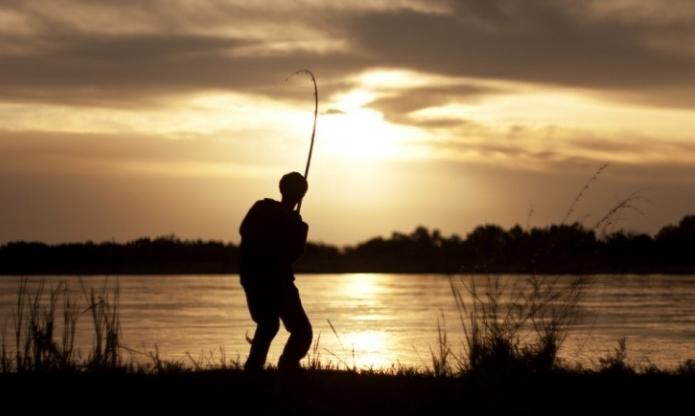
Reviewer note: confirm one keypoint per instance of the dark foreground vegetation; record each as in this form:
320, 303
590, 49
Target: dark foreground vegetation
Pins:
326, 392
568, 249
497, 371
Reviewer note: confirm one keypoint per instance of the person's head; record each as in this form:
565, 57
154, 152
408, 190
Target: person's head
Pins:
293, 186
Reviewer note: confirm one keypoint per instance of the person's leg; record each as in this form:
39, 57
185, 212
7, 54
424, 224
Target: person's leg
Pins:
297, 324
265, 332
265, 312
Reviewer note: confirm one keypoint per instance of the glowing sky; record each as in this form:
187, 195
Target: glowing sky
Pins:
123, 118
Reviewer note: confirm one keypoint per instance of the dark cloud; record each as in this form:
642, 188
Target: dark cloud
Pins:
549, 148
673, 97
297, 90
93, 70
563, 42
621, 145
433, 123
547, 41
333, 111
635, 146
397, 105
147, 52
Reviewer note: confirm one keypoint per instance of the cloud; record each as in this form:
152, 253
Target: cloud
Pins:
552, 42
126, 53
397, 105
548, 148
164, 49
83, 70
130, 54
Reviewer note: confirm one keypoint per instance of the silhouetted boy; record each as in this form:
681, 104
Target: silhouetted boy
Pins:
273, 236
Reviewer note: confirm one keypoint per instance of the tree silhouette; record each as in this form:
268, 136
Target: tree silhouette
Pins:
489, 248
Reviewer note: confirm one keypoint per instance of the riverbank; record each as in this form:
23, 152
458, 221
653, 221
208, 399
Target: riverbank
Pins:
233, 391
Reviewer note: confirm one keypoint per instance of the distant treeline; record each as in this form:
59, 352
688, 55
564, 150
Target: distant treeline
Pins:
487, 249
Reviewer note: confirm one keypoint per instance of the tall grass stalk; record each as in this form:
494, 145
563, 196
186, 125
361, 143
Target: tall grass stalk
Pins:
440, 357
45, 327
37, 346
515, 325
208, 361
21, 347
581, 193
554, 309
104, 311
613, 215
314, 358
42, 348
71, 313
342, 347
5, 358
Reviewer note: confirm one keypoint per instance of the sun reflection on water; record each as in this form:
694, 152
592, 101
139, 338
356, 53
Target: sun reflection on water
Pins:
365, 344
362, 286
368, 348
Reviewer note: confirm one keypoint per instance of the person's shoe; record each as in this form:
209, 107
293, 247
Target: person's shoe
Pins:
253, 368
290, 367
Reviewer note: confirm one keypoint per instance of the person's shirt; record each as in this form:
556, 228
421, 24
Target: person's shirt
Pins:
272, 238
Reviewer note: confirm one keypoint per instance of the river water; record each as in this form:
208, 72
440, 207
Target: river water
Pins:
378, 320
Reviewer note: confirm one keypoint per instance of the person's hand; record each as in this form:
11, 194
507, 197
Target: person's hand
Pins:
297, 217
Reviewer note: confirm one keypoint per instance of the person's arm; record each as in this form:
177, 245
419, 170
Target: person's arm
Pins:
250, 223
297, 238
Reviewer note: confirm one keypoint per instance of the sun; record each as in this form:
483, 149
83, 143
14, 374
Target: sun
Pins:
360, 134
355, 131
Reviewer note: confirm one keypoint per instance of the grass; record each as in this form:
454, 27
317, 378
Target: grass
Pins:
44, 339
34, 328
510, 327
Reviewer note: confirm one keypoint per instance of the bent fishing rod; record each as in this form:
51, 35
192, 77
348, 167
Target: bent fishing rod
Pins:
313, 130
